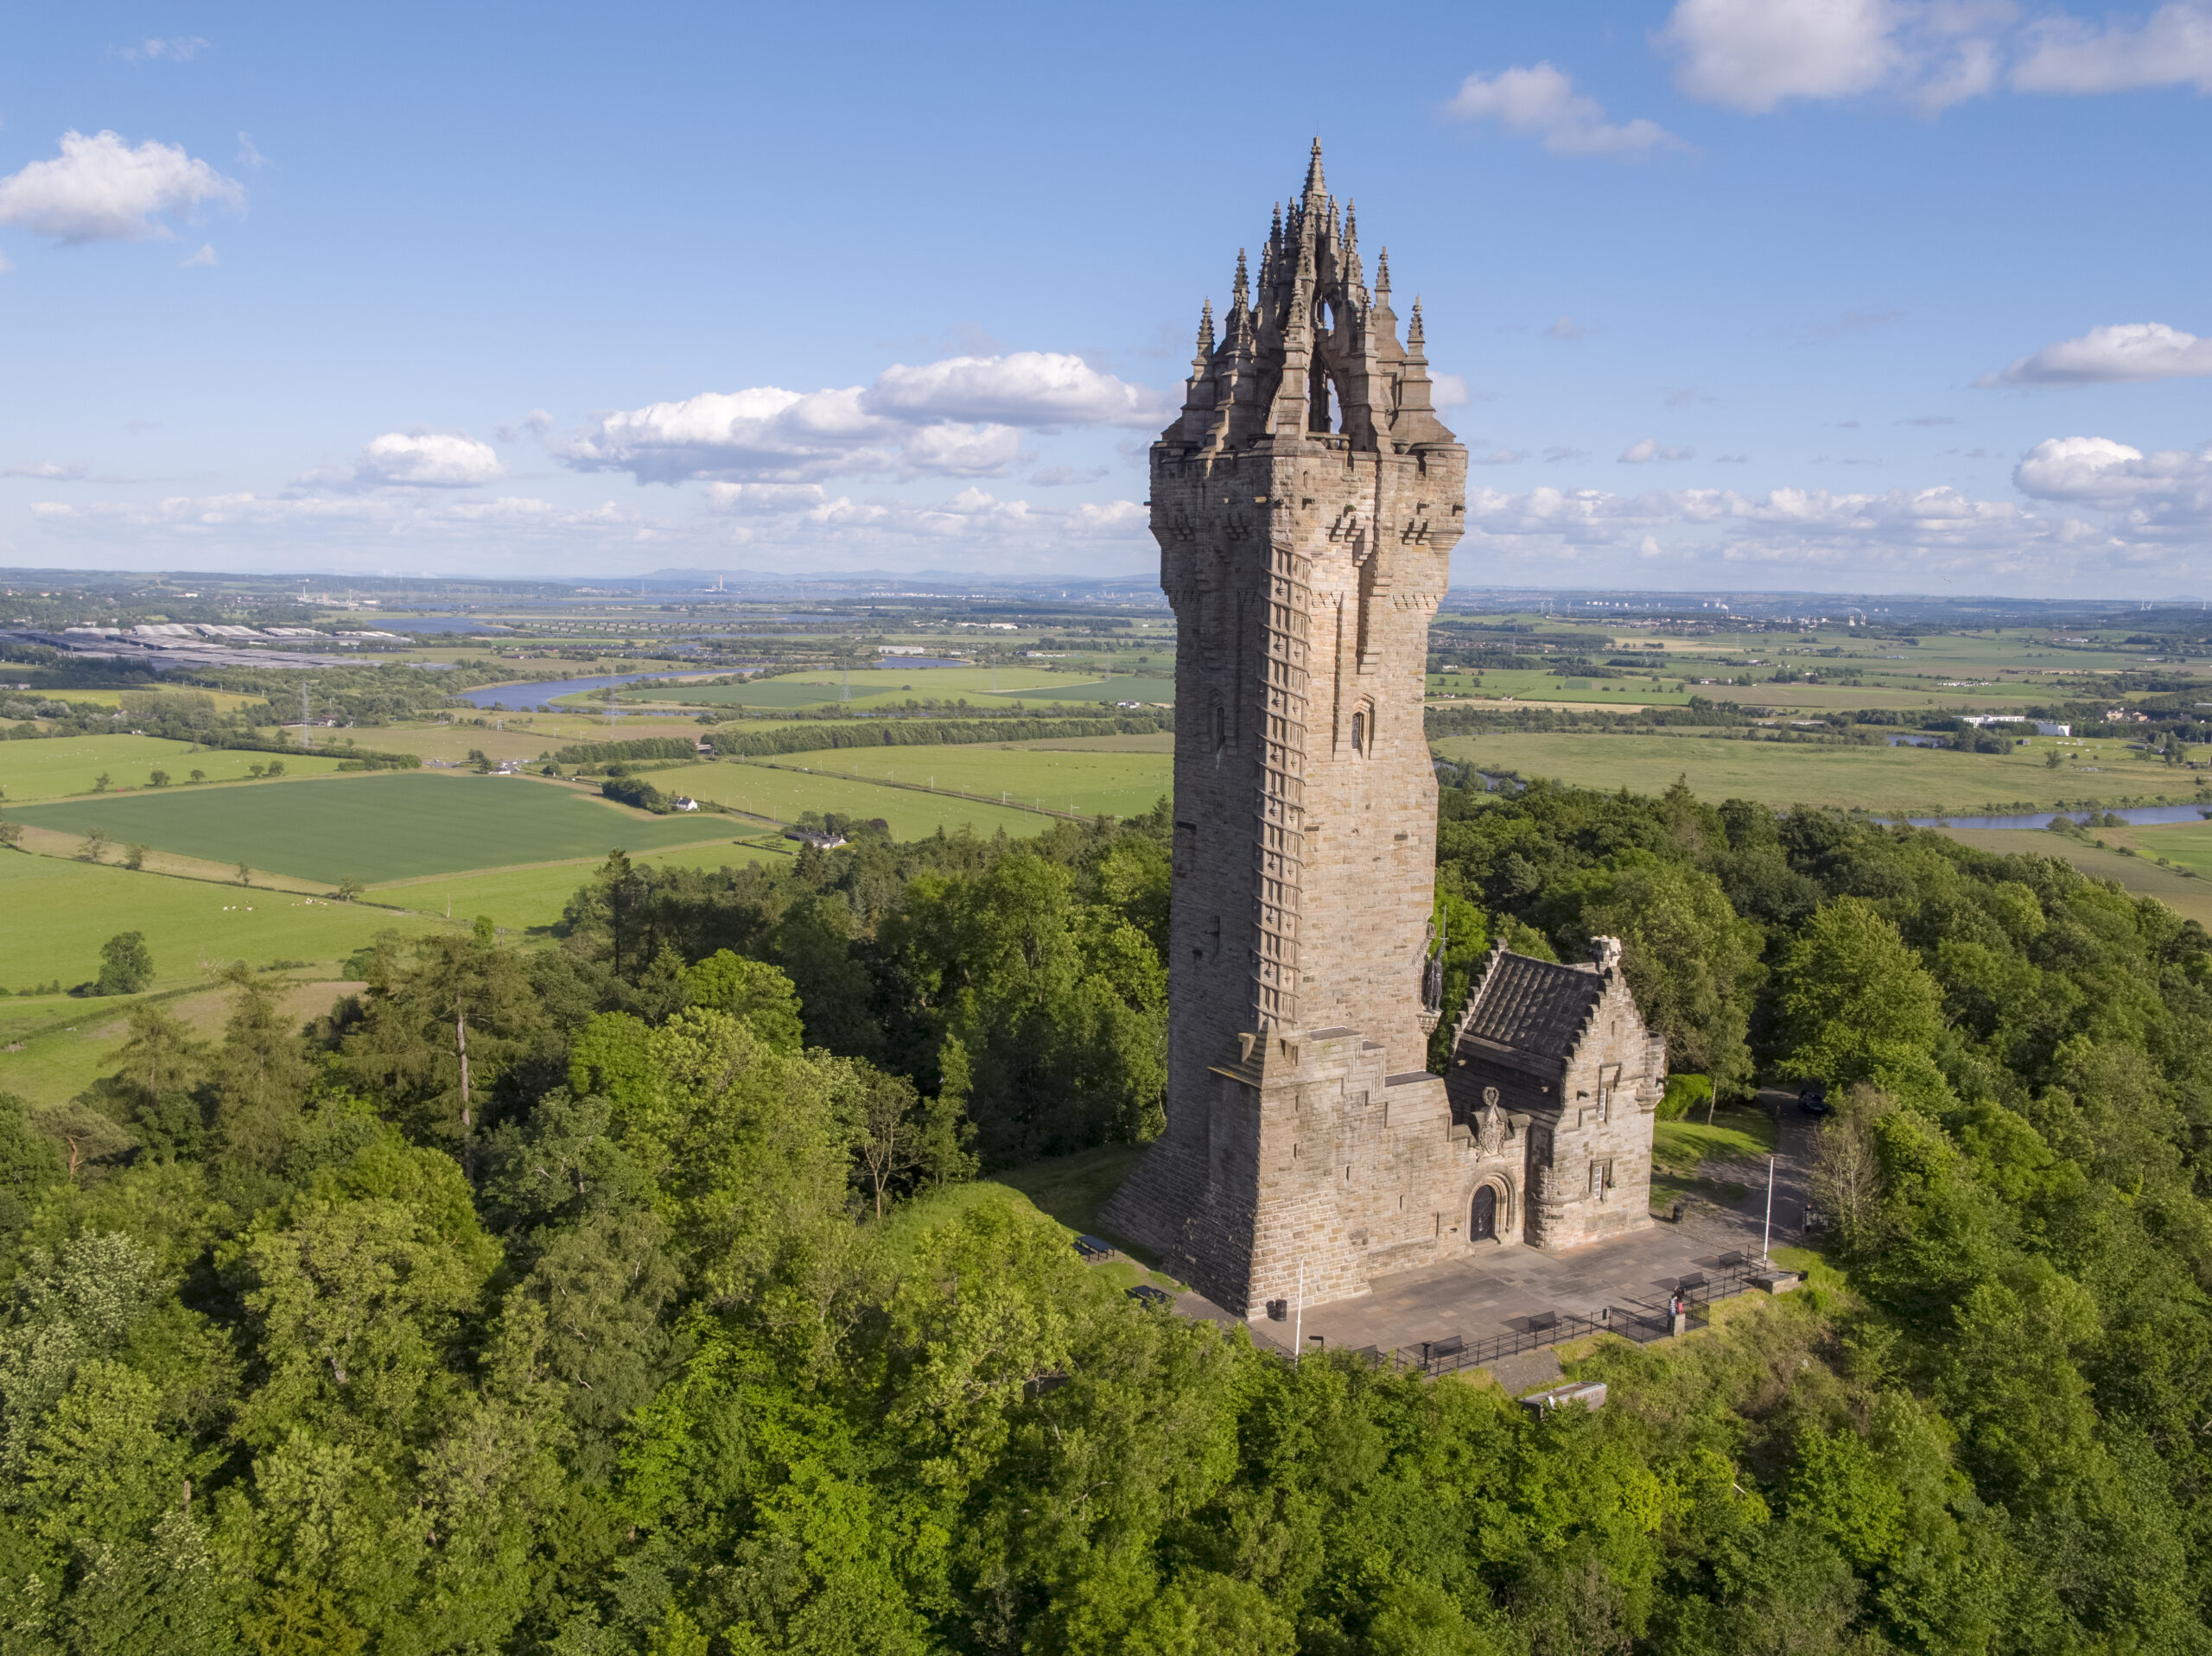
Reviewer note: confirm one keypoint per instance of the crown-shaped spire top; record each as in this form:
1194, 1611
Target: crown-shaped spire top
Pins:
1382, 271
1205, 334
1243, 293
1315, 184
1415, 338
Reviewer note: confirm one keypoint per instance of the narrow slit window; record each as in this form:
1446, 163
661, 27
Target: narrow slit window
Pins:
1359, 732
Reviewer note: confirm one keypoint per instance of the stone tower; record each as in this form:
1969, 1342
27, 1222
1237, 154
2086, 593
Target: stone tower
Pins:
1305, 502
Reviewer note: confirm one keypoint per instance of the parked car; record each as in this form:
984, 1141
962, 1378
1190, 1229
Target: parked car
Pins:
1814, 1099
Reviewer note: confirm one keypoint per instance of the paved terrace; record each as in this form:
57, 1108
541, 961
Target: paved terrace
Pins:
1494, 1290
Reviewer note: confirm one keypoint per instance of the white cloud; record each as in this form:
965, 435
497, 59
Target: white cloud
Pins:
1058, 476
1566, 328
248, 155
1540, 101
757, 498
1754, 55
100, 189
2172, 47
1498, 457
46, 470
182, 50
1798, 534
1448, 391
1025, 388
205, 258
1646, 449
2118, 353
962, 417
2152, 493
1115, 519
415, 460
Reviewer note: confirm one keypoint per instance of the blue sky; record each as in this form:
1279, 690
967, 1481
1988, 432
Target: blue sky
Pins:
1853, 294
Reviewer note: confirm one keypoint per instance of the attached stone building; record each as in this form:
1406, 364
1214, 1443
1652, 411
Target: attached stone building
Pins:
1306, 501
1555, 1084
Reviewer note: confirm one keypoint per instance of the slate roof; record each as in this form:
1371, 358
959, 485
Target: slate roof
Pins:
1533, 1005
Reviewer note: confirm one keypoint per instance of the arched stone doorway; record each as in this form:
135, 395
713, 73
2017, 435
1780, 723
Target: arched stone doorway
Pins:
1482, 1224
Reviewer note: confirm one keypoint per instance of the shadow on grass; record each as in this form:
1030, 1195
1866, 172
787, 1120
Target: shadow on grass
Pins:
1074, 1189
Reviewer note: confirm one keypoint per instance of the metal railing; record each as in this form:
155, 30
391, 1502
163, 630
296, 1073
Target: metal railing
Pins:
1735, 1273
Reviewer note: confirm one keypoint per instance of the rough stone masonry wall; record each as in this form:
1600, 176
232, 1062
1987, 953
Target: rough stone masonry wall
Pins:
1305, 868
1609, 1096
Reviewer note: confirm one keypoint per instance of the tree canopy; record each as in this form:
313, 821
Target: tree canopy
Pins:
649, 1292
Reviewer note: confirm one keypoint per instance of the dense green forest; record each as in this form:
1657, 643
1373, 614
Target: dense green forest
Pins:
648, 1291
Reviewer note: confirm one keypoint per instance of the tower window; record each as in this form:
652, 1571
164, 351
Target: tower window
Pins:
1220, 727
1359, 732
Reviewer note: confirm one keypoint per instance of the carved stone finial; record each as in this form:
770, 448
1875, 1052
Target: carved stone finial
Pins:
1606, 951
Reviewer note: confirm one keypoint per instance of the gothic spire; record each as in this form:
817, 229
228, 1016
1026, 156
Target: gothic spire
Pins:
1382, 274
1315, 185
1242, 300
1205, 339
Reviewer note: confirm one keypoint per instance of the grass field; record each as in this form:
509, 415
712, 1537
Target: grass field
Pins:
2140, 874
57, 766
374, 827
525, 735
880, 688
1921, 780
1061, 779
1147, 690
59, 913
871, 687
783, 795
533, 899
1158, 741
80, 1038
225, 700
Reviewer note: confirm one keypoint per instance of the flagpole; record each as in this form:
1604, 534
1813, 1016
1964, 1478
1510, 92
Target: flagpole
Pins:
1766, 1237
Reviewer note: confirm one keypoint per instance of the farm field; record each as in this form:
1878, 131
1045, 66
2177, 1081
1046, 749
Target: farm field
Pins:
58, 913
1118, 783
878, 687
1150, 741
871, 687
1918, 780
57, 767
532, 899
2190, 898
1144, 689
60, 1063
225, 700
782, 794
2186, 845
525, 735
374, 827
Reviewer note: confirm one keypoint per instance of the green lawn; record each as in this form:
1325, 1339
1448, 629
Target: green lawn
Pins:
58, 913
57, 766
783, 795
1120, 784
523, 898
1919, 781
379, 827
